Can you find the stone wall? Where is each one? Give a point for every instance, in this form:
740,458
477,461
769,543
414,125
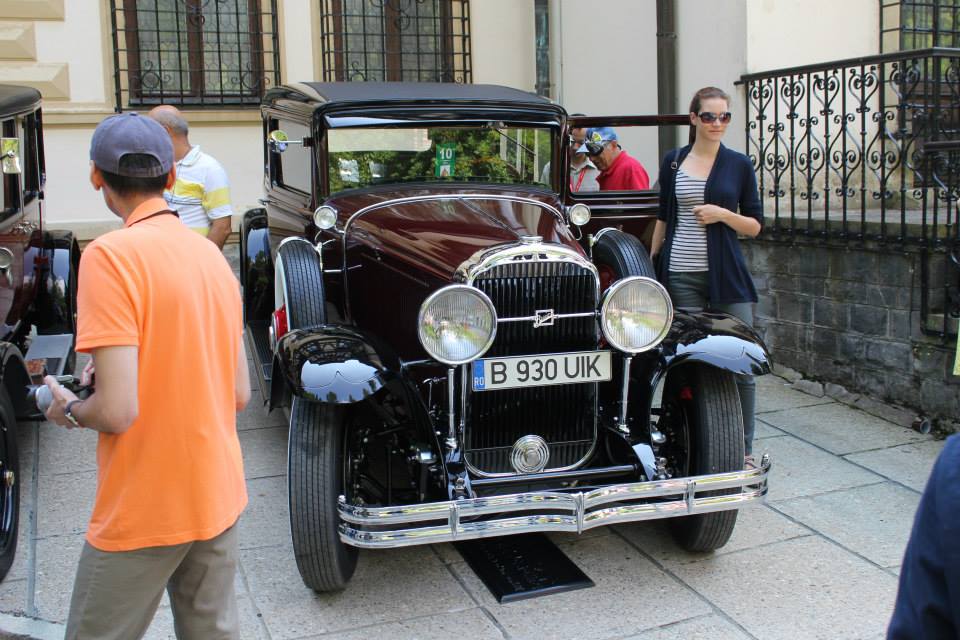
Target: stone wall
851,316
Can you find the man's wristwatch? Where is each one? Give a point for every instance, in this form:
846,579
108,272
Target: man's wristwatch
68,413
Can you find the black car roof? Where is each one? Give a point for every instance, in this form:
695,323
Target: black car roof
15,99
420,92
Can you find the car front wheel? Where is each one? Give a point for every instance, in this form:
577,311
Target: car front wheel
704,429
9,484
315,477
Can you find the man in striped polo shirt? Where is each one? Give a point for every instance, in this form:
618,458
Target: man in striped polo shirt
201,194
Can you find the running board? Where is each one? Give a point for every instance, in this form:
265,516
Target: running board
258,346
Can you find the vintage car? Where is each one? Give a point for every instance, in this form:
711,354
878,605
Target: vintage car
38,292
466,348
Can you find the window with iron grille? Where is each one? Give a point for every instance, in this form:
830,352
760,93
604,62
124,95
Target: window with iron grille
919,24
396,40
194,53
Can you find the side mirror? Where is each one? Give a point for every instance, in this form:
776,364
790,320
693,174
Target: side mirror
278,141
10,152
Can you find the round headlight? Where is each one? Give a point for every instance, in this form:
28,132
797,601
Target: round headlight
579,214
457,324
325,217
636,314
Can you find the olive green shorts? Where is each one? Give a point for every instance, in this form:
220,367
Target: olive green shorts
116,594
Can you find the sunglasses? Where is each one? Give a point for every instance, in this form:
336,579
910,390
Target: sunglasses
595,148
708,117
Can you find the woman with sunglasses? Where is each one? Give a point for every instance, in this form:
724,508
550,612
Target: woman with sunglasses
708,196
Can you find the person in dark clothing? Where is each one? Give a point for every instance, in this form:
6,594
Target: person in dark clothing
928,600
709,196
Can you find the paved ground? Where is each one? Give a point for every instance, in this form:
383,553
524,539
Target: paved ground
820,560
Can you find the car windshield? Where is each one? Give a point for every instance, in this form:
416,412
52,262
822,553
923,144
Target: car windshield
495,152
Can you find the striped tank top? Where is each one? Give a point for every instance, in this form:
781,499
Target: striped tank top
689,249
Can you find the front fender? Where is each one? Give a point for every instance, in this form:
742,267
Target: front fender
716,339
56,301
256,267
331,364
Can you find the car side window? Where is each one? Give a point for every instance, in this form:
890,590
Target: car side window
11,182
30,157
295,165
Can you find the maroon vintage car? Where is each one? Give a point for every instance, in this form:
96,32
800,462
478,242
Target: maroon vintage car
38,291
466,348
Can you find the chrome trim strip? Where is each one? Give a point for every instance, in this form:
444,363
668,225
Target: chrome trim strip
571,512
625,393
556,316
451,414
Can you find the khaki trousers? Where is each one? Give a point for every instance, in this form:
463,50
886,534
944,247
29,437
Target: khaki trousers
116,594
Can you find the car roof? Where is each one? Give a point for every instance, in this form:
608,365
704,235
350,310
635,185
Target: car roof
15,99
420,92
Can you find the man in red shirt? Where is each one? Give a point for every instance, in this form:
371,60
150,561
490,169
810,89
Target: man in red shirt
619,171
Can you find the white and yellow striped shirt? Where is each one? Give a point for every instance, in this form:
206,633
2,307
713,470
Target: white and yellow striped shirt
201,192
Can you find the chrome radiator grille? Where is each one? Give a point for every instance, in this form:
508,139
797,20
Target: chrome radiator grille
563,415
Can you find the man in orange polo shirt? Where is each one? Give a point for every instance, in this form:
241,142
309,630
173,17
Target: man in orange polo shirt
159,311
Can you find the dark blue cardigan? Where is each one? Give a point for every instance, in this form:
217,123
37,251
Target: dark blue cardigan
732,185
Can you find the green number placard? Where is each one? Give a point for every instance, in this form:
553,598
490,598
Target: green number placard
446,159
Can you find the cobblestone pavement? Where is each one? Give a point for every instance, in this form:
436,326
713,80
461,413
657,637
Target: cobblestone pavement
819,560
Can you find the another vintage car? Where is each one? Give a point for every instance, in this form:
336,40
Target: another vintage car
466,348
38,292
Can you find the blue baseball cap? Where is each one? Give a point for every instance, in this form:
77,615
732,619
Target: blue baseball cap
596,137
131,133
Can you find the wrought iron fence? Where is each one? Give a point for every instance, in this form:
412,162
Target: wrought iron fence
863,149
396,40
866,151
194,53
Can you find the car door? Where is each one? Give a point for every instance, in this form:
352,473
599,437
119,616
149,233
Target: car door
20,233
638,136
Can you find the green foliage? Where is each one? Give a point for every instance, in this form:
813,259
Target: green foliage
482,155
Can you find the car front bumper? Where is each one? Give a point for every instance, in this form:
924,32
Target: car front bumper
539,511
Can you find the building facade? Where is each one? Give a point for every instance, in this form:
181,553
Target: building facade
90,58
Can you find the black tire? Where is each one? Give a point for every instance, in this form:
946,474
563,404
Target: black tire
713,426
623,255
9,484
315,478
298,264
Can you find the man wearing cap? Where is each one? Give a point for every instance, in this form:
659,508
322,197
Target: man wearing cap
583,173
171,373
201,194
619,171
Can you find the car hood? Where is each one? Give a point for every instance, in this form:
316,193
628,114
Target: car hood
437,231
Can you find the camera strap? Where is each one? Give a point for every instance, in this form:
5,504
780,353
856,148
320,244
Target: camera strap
154,215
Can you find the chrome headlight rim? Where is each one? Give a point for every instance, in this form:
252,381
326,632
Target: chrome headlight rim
444,291
579,211
325,217
609,294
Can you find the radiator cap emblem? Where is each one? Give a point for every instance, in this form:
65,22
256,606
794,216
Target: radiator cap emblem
531,239
530,454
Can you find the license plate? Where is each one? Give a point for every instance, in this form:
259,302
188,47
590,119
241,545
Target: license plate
536,371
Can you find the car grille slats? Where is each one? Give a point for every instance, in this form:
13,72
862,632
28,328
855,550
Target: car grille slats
563,415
